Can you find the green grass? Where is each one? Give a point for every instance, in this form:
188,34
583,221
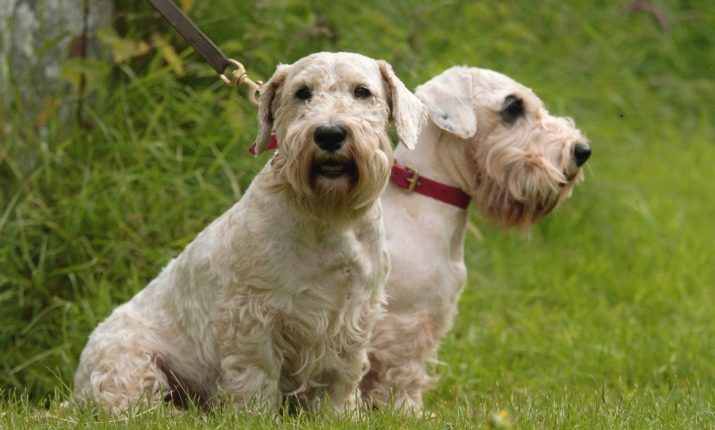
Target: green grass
603,316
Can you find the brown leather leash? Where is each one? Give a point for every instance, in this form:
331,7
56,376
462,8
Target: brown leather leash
207,49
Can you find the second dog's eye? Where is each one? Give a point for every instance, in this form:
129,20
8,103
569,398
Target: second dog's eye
512,109
303,93
361,92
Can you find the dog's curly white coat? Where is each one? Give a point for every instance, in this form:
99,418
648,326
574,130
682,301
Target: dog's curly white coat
516,169
278,296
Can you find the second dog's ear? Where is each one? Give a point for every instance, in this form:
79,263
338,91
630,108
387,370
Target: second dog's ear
406,110
448,97
266,107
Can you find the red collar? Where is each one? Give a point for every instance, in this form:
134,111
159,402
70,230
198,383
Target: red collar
408,178
273,144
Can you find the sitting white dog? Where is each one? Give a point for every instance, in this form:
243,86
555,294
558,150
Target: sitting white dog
277,298
489,140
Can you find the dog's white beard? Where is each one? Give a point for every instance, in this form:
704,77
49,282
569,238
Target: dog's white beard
339,199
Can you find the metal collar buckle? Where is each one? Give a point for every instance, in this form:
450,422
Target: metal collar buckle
413,179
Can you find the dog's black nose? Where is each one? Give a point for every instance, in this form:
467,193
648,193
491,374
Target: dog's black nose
581,152
329,137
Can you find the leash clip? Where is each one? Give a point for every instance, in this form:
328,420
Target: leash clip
239,77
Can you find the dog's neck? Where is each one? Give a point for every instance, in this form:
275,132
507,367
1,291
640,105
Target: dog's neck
442,160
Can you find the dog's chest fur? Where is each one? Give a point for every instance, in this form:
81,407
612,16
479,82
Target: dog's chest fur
322,310
335,271
315,314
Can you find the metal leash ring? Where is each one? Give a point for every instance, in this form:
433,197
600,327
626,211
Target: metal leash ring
240,77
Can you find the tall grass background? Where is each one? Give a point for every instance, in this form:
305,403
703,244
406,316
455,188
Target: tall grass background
603,316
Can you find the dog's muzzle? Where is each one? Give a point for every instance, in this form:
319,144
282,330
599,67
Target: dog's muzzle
333,168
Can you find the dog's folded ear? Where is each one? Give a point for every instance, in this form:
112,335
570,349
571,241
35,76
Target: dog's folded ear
406,110
448,97
266,107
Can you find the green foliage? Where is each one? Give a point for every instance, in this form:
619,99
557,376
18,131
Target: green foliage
601,318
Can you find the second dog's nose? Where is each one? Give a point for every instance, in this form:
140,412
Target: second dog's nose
581,152
329,137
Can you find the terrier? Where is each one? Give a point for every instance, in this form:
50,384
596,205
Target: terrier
489,140
277,298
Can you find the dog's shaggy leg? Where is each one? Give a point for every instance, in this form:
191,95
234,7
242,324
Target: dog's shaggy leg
250,371
249,388
344,393
400,350
400,386
124,376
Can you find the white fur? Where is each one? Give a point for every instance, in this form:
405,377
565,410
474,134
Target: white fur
276,299
515,173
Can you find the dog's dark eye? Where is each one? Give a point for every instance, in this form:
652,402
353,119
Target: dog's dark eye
512,109
303,93
361,92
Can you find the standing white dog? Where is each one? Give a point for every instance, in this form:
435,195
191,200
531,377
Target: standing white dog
489,140
277,297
